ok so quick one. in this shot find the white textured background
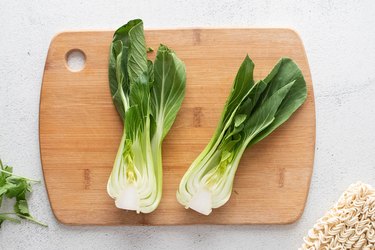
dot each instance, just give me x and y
(339, 37)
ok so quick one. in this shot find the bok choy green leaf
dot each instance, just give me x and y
(147, 97)
(252, 112)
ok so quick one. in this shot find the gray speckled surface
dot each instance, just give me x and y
(339, 37)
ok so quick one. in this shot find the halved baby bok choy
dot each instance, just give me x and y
(252, 112)
(147, 97)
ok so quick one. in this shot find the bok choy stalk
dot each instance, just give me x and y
(252, 112)
(147, 97)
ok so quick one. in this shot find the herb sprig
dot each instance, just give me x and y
(17, 188)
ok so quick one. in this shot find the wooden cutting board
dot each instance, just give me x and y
(80, 130)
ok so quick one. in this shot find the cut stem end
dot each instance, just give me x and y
(201, 202)
(128, 199)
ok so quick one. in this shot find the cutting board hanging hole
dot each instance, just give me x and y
(75, 60)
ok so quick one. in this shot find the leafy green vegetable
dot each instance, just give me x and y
(15, 187)
(6, 217)
(147, 97)
(251, 113)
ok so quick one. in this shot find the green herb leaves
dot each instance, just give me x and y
(15, 187)
(251, 113)
(147, 97)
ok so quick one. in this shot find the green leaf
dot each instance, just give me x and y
(18, 187)
(243, 83)
(137, 59)
(253, 97)
(285, 72)
(168, 90)
(6, 217)
(123, 34)
(138, 113)
(234, 131)
(265, 114)
(5, 172)
(239, 119)
(118, 79)
(21, 207)
(4, 188)
(230, 144)
(150, 67)
(128, 62)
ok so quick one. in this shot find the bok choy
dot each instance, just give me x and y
(252, 112)
(147, 97)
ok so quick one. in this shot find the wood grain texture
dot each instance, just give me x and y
(80, 130)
